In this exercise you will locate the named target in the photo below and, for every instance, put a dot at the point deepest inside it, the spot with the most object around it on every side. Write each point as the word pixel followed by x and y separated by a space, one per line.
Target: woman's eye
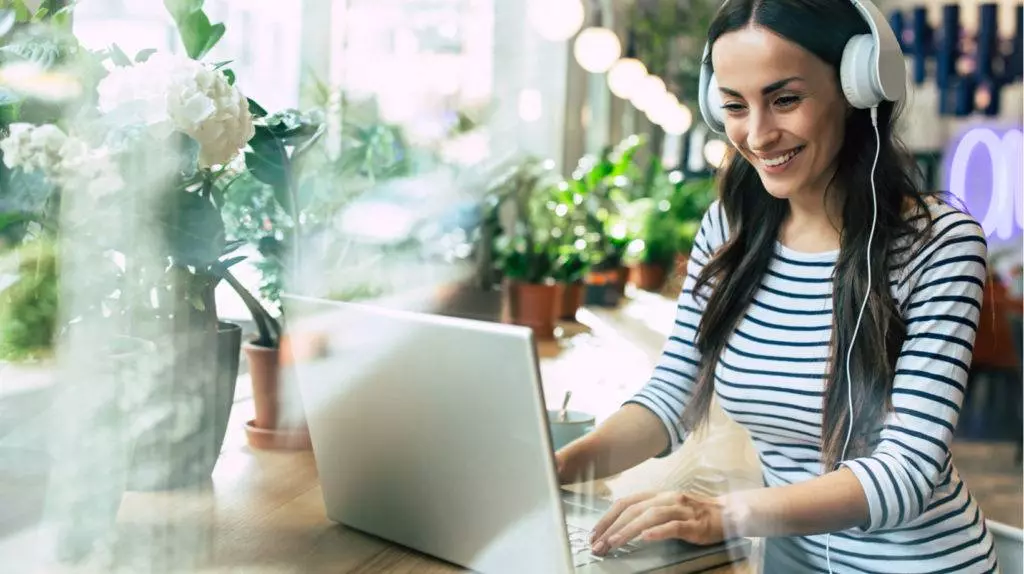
pixel 787 101
pixel 733 108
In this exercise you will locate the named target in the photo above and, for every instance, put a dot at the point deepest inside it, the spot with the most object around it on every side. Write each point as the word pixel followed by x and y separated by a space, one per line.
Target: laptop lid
pixel 431 432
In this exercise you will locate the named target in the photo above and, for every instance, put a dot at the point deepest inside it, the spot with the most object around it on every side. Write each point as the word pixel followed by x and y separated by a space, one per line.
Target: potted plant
pixel 578 245
pixel 605 183
pixel 134 182
pixel 655 242
pixel 275 151
pixel 691 200
pixel 528 248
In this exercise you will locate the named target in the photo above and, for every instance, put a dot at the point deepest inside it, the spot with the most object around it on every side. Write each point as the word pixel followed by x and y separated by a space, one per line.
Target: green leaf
pixel 193 230
pixel 10 107
pixel 144 55
pixel 180 9
pixel 21 11
pixel 217 194
pixel 216 32
pixel 255 109
pixel 222 64
pixel 268 163
pixel 195 33
pixel 231 246
pixel 226 264
pixel 230 75
pixel 118 57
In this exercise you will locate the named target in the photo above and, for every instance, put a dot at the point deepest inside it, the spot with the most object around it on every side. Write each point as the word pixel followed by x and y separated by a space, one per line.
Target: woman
pixel 775 283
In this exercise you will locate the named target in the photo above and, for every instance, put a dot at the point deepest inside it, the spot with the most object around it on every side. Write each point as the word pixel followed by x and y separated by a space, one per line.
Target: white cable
pixel 863 306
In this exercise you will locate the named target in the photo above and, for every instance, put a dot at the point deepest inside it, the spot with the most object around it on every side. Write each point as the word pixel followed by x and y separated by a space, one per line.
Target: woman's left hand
pixel 659 516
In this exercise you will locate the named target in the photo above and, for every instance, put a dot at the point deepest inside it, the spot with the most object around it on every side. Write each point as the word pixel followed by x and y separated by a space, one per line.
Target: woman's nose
pixel 762 132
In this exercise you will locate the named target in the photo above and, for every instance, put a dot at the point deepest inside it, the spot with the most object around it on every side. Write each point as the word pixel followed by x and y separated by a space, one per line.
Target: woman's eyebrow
pixel 774 86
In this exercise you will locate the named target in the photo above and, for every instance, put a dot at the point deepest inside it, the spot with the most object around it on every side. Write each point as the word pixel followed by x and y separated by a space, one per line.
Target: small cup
pixel 575 425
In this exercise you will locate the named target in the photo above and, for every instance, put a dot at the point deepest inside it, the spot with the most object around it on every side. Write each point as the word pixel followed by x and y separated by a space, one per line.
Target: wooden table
pixel 263 511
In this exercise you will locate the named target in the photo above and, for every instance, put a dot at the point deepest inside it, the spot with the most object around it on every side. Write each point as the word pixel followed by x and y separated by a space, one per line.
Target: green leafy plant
pixel 606 183
pixel 529 244
pixel 29 303
pixel 198 35
pixel 666 224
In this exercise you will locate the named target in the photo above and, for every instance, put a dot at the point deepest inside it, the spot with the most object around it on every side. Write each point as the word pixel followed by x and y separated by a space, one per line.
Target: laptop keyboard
pixel 579 545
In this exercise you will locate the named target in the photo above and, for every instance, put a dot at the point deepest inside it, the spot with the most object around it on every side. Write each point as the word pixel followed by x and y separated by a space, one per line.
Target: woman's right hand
pixel 573 464
pixel 562 466
pixel 630 436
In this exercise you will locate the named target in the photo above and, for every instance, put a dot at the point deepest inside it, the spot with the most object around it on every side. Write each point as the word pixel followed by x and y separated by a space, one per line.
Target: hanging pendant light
pixel 597 48
pixel 650 89
pixel 555 20
pixel 625 74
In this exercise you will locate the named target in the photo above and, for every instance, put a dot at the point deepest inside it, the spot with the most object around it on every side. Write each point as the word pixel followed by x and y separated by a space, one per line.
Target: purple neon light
pixel 984 170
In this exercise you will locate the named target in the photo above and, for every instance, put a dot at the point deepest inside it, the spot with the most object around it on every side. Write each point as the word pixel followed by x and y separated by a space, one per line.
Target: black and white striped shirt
pixel 770 379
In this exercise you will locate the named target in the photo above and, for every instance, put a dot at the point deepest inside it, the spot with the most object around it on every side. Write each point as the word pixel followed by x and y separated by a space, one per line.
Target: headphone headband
pixel 872 69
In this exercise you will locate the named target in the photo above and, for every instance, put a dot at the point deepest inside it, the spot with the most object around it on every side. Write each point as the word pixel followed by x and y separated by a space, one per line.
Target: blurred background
pixel 170 168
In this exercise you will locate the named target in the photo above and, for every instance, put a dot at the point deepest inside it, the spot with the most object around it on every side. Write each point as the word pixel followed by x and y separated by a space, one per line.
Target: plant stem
pixel 268 335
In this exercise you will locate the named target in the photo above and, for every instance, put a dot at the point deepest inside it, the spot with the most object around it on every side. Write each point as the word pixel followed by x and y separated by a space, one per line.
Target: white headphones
pixel 872 69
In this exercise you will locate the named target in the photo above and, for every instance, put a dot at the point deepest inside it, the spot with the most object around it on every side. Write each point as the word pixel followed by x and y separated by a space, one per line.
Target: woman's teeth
pixel 782 159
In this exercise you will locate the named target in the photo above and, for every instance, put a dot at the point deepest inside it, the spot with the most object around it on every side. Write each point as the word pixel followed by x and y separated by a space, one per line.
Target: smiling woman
pixel 830 307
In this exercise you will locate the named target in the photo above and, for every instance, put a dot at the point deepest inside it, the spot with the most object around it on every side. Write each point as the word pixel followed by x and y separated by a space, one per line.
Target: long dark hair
pixel 822 27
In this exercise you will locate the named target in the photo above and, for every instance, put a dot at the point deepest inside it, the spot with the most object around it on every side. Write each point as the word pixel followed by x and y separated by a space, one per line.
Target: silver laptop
pixel 431 432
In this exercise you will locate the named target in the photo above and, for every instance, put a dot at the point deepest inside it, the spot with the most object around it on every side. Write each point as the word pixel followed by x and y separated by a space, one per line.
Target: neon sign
pixel 985 171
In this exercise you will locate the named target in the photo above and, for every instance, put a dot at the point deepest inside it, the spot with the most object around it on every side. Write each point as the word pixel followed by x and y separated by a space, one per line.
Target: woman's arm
pixel 650 424
pixel 830 503
pixel 630 436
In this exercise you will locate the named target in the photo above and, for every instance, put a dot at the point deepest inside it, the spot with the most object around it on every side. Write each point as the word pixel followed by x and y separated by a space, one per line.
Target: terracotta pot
pixel 572 300
pixel 533 305
pixel 682 260
pixel 649 276
pixel 264 369
pixel 280 421
pixel 602 288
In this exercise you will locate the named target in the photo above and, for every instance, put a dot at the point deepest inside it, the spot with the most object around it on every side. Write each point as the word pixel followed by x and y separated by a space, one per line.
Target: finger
pixel 615 511
pixel 628 515
pixel 653 517
pixel 677 529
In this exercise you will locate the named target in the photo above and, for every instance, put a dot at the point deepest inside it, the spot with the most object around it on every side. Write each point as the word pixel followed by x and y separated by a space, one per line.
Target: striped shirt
pixel 770 379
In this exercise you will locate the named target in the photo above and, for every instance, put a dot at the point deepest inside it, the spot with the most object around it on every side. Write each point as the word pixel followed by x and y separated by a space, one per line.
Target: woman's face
pixel 783 109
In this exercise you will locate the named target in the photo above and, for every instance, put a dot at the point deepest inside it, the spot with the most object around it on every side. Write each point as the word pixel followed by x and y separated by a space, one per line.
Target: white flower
pixel 32 148
pixel 168 93
pixel 64 160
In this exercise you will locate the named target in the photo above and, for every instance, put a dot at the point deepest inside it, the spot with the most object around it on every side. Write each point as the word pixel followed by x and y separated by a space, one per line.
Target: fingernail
pixel 600 548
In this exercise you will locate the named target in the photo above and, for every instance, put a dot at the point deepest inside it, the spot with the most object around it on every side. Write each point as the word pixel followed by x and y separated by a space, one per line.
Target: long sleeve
pixel 941 314
pixel 671 383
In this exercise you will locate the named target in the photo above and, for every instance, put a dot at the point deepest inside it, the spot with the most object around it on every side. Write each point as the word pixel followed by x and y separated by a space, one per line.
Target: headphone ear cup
pixel 714 103
pixel 708 98
pixel 855 73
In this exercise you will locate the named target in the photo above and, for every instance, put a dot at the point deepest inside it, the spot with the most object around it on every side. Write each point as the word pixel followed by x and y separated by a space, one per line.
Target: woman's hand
pixel 660 516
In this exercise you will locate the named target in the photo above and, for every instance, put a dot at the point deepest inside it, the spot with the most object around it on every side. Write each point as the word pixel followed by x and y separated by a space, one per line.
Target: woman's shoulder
pixel 714 226
pixel 944 228
pixel 944 217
